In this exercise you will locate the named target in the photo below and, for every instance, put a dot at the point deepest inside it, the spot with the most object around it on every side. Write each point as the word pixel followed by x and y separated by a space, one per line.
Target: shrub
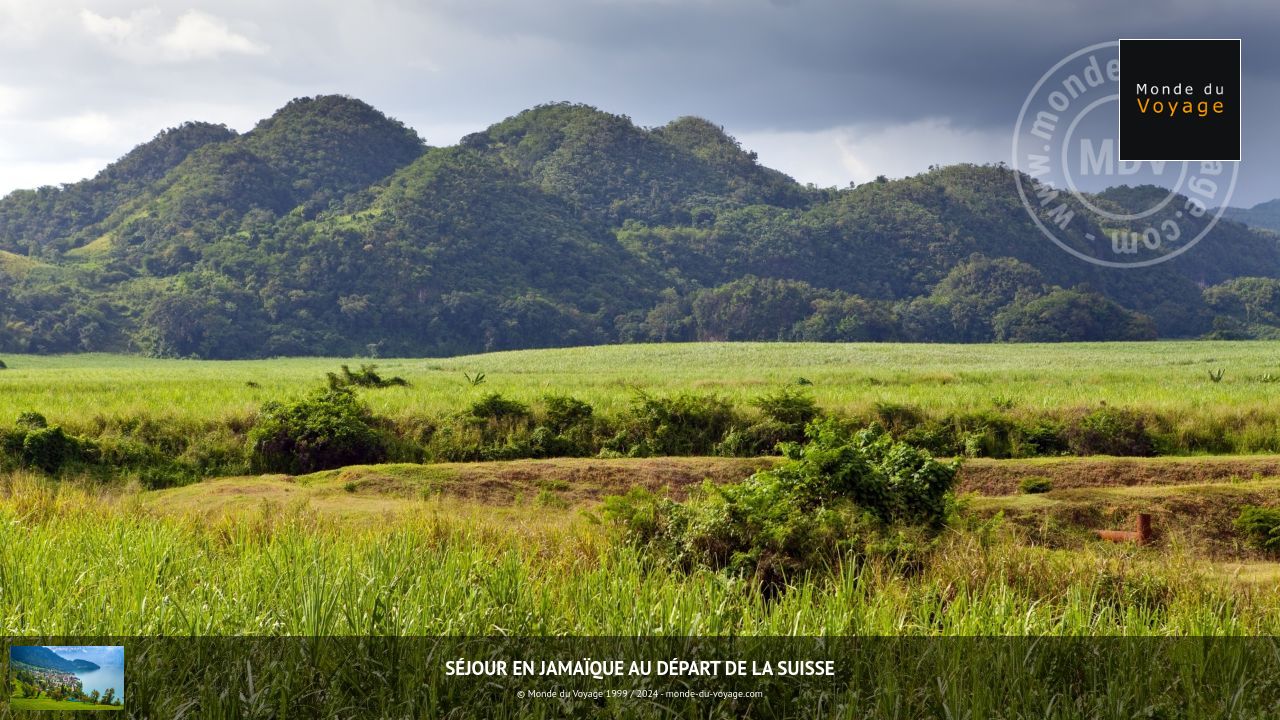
pixel 495 407
pixel 32 420
pixel 492 428
pixel 1035 484
pixel 544 442
pixel 1043 436
pixel 785 415
pixel 837 493
pixel 565 413
pixel 684 424
pixel 1260 527
pixel 49 448
pixel 898 417
pixel 11 446
pixel 788 406
pixel 1109 431
pixel 328 429
pixel 985 434
pixel 366 376
pixel 760 438
pixel 549 499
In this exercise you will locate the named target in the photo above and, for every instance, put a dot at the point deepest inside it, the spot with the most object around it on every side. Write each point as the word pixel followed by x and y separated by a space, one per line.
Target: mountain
pixel 31 220
pixel 1263 215
pixel 43 657
pixel 332 229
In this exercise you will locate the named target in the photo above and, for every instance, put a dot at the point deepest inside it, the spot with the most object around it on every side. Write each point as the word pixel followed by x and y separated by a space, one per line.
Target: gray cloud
pixel 833 80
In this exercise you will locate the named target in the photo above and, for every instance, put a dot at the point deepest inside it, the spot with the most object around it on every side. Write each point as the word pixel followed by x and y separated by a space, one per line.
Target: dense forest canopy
pixel 332 229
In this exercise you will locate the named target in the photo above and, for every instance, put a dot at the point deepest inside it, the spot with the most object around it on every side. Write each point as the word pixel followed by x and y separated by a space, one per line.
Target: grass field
pixel 1167 376
pixel 44 703
pixel 519 547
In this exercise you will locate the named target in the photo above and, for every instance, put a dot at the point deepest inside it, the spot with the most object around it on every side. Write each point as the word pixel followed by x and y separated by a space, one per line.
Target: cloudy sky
pixel 829 91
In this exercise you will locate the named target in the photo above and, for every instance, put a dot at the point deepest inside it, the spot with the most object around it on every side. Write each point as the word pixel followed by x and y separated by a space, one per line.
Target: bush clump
pixel 784 416
pixel 565 413
pixel 568 428
pixel 367 377
pixel 495 407
pixel 840 492
pixel 684 424
pixel 328 429
pixel 49 448
pixel 33 443
pixel 1110 431
pixel 1260 526
pixel 31 420
pixel 1035 484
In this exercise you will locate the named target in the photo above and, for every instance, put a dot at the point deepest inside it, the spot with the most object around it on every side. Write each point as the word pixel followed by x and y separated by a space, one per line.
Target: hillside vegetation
pixel 1263 215
pixel 332 229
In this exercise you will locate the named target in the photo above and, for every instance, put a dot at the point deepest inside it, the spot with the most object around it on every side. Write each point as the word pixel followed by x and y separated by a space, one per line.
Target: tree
pixel 1071 316
pixel 753 309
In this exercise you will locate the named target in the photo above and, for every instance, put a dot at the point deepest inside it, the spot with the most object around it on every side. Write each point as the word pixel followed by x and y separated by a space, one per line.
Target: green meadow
pixel 1170 377
pixel 44 703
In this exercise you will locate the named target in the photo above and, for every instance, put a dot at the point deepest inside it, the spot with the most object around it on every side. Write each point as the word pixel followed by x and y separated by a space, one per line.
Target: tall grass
pixel 74 561
pixel 1164 376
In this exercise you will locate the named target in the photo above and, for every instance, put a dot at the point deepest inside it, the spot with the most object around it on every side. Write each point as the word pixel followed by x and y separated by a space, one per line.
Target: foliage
pixel 323 430
pixel 1035 484
pixel 1071 315
pixel 682 424
pixel 840 492
pixel 784 415
pixel 366 377
pixel 495 407
pixel 565 413
pixel 1110 431
pixel 168 422
pixel 1261 527
pixel 31 420
pixel 34 443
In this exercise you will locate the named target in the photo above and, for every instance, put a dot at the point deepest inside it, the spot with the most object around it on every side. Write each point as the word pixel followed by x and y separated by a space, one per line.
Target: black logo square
pixel 1179 100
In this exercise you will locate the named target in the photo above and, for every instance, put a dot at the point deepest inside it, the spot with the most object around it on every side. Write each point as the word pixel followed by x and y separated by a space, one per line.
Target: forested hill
pixel 1263 215
pixel 331 229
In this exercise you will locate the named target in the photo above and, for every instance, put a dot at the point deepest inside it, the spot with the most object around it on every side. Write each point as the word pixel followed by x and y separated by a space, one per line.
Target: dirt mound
pixel 575 480
pixel 1001 477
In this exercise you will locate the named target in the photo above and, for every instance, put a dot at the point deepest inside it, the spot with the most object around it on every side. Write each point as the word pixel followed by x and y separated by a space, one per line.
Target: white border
pixel 1240 90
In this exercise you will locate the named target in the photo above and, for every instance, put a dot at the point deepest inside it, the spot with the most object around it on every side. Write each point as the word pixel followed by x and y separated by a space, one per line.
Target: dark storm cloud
pixel 83 81
pixel 810 65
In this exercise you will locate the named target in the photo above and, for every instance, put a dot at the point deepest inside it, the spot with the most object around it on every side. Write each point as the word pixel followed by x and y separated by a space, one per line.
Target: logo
pixel 1083 197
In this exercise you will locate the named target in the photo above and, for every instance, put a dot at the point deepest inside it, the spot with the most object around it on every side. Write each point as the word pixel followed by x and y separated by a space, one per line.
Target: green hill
pixel 330 228
pixel 32 220
pixel 42 657
pixel 1263 215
